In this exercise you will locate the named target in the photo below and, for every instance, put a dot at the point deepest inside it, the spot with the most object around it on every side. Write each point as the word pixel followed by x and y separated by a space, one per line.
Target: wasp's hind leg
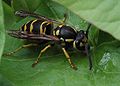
pixel 42 51
pixel 23 14
pixel 69 59
pixel 18 49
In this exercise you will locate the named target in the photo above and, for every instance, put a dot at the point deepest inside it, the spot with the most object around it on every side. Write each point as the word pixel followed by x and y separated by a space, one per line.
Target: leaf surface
pixel 54 69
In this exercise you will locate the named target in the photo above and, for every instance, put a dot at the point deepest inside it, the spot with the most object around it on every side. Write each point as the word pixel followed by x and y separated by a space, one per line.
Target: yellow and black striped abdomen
pixel 37 27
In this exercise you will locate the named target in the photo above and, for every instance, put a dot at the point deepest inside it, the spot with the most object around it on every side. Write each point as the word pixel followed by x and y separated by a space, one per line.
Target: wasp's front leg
pixel 87 50
pixel 23 14
pixel 69 59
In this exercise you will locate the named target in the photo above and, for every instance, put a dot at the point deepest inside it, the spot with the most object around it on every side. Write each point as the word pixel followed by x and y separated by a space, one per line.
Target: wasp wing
pixel 24 35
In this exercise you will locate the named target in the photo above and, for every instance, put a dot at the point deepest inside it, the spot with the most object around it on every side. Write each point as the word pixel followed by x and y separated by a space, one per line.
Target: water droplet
pixel 105 59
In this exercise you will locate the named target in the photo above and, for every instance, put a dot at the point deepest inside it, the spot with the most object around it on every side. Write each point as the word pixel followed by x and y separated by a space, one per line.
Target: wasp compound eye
pixel 80 35
pixel 76 41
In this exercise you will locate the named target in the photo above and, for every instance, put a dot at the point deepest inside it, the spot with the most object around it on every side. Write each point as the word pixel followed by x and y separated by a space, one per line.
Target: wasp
pixel 42 30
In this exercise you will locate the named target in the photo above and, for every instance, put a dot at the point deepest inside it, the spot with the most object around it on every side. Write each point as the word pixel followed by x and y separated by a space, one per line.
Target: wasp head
pixel 81 39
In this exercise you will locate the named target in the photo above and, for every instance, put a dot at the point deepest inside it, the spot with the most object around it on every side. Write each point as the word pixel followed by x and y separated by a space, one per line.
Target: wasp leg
pixel 69 60
pixel 23 13
pixel 42 51
pixel 65 18
pixel 87 49
pixel 18 49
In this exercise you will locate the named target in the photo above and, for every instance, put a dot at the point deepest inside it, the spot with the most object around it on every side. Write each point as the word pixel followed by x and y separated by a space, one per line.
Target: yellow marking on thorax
pixel 57 32
pixel 60 25
pixel 62 39
pixel 25 27
pixel 81 44
pixel 31 26
pixel 69 40
pixel 54 32
pixel 74 45
pixel 41 26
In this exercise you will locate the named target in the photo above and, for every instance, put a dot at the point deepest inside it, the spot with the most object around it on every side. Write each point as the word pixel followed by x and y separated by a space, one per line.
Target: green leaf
pixel 30 5
pixel 53 68
pixel 9 17
pixel 104 14
pixel 107 36
pixel 8 2
pixel 2 31
pixel 93 36
pixel 4 82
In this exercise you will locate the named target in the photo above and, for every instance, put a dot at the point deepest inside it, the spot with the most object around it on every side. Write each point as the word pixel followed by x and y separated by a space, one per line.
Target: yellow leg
pixel 42 51
pixel 69 60
pixel 65 18
pixel 18 49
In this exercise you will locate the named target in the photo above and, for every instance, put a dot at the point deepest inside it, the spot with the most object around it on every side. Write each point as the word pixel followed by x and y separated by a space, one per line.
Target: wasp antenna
pixel 88 29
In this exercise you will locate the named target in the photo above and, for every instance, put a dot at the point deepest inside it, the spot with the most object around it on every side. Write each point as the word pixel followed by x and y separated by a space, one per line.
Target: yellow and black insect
pixel 42 29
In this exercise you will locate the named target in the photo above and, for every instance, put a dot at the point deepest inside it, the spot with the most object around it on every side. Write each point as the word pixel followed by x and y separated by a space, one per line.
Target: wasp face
pixel 80 40
pixel 80 36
